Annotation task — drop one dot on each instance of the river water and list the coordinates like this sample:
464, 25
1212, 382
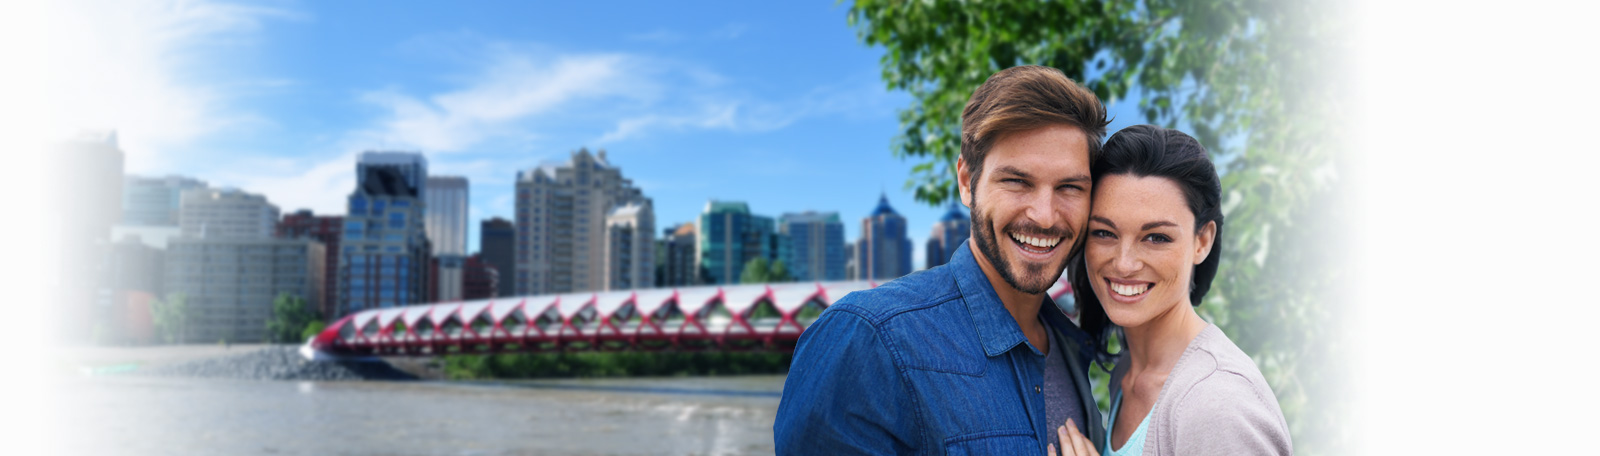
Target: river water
139, 415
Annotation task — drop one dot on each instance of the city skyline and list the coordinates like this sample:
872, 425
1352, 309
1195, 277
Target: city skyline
730, 101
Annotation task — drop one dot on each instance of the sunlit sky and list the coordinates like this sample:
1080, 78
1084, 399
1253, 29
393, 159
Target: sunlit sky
779, 105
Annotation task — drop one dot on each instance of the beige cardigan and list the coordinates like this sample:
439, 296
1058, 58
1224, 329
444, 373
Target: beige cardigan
1215, 402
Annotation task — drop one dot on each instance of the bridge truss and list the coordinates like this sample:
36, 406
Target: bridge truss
766, 317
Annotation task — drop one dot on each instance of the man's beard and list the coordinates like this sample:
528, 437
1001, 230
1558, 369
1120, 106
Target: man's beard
1033, 280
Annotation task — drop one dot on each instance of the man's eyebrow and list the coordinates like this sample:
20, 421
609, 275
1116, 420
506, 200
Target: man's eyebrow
1008, 169
1074, 179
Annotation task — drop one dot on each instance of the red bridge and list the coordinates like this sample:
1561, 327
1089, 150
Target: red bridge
735, 317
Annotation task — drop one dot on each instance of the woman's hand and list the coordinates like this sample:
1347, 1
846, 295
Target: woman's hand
1073, 443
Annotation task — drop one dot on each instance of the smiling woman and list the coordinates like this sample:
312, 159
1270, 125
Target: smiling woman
1153, 244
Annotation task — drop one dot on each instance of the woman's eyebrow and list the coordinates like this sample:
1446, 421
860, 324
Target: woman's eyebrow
1151, 225
1103, 220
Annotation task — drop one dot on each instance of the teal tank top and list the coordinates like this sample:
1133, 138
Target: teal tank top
1135, 443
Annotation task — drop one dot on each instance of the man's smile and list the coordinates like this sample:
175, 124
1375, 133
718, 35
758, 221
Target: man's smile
1036, 244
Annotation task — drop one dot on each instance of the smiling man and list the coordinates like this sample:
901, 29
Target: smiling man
969, 357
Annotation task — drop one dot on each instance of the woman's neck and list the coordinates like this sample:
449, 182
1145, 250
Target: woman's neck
1155, 346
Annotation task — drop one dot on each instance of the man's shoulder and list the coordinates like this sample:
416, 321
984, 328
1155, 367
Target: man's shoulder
900, 298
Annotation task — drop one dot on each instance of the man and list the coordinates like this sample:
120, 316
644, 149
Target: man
969, 357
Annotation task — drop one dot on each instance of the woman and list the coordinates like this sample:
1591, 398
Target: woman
1154, 239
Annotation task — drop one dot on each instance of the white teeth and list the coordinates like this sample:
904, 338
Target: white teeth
1036, 242
1129, 290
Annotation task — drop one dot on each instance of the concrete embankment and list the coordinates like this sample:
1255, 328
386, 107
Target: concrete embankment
254, 362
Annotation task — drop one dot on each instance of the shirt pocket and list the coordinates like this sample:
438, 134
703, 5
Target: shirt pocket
993, 442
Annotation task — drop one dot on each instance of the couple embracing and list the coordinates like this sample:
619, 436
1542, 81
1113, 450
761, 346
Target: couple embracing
972, 358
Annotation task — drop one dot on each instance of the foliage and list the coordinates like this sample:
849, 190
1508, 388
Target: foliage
170, 318
290, 316
1241, 76
312, 329
758, 270
613, 364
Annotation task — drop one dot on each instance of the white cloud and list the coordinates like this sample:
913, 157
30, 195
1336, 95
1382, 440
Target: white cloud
513, 87
711, 110
126, 65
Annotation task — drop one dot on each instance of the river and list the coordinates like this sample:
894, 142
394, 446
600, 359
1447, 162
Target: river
141, 415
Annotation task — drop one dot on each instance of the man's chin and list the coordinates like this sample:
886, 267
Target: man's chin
1032, 279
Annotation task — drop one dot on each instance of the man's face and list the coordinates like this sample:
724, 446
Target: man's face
1030, 204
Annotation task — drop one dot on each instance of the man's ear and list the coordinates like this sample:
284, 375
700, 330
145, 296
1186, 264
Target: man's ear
1206, 237
964, 182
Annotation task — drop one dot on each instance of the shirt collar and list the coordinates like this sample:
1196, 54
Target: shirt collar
996, 329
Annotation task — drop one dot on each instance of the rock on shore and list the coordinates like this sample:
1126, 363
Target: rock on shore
280, 363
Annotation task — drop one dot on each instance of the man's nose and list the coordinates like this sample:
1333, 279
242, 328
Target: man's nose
1041, 208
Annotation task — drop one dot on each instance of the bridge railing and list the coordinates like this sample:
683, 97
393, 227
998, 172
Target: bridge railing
733, 317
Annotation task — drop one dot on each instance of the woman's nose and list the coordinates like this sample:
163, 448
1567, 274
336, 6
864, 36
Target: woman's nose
1127, 261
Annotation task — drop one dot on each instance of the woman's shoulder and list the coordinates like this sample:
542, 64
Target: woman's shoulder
1213, 366
1217, 394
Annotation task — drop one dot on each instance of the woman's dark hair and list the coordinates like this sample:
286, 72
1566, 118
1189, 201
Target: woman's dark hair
1151, 151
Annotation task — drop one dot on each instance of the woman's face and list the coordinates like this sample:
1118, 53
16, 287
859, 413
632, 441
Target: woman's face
1142, 247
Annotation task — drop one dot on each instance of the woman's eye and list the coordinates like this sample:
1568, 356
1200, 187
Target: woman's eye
1100, 233
1158, 238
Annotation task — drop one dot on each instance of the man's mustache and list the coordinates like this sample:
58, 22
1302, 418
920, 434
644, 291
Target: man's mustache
1033, 229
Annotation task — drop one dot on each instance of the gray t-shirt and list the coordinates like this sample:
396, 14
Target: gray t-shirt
1060, 395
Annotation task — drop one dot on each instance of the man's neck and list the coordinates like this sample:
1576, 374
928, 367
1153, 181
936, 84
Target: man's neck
1024, 307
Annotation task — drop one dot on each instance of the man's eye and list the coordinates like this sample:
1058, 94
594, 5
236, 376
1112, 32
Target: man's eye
1158, 238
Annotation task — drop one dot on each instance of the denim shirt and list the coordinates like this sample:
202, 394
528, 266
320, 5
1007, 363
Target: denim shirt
930, 363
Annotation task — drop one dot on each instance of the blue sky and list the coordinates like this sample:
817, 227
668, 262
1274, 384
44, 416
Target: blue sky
777, 104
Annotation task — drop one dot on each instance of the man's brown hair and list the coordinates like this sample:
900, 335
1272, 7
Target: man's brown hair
1024, 98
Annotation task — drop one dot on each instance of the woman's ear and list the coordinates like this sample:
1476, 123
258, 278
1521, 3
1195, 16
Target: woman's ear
1204, 238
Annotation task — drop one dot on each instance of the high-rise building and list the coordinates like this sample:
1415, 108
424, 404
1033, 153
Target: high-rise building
226, 214
383, 259
446, 276
155, 201
949, 232
884, 252
478, 280
675, 253
329, 230
561, 223
630, 246
497, 244
229, 284
728, 236
850, 268
411, 166
818, 242
136, 267
447, 214
86, 178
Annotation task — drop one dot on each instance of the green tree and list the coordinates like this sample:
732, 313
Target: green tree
755, 271
758, 270
290, 316
778, 272
312, 329
1241, 76
171, 318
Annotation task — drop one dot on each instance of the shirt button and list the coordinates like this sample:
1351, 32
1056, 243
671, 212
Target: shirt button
1036, 389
